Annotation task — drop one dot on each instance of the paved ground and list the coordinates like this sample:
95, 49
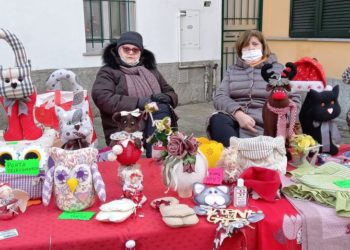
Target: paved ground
193, 119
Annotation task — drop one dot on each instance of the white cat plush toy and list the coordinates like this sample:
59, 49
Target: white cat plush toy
75, 125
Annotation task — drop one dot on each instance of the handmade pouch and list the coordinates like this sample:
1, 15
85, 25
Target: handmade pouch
22, 150
261, 151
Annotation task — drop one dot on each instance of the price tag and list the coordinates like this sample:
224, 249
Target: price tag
85, 215
27, 167
8, 234
215, 176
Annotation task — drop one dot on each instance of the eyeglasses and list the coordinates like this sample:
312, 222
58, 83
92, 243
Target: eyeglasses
127, 50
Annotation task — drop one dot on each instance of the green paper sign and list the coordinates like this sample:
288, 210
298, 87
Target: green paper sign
27, 167
343, 183
11, 143
86, 215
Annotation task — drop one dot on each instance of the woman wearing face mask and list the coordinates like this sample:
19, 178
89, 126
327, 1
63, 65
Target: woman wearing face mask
242, 93
129, 80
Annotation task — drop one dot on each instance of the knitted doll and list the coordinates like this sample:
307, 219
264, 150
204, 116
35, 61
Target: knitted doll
17, 94
278, 105
317, 116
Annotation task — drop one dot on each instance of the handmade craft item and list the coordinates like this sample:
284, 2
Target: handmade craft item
261, 151
17, 94
12, 201
278, 107
132, 188
174, 214
230, 222
127, 143
25, 150
211, 150
262, 183
310, 75
317, 116
302, 145
75, 126
116, 211
231, 168
54, 96
210, 197
183, 164
346, 80
74, 179
54, 82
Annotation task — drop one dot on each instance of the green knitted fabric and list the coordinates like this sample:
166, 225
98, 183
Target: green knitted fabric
318, 184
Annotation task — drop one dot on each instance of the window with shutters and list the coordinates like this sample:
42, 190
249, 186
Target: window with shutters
105, 20
320, 19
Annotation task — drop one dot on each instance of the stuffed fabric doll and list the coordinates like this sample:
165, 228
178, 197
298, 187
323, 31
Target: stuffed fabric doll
54, 81
317, 116
126, 144
278, 105
76, 129
74, 179
17, 94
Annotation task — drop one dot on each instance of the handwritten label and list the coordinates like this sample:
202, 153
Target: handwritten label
85, 215
215, 176
8, 234
11, 143
27, 167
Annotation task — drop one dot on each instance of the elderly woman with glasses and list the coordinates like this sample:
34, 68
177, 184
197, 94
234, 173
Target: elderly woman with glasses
129, 80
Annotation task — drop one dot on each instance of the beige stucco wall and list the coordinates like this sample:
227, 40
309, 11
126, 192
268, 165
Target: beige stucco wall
333, 54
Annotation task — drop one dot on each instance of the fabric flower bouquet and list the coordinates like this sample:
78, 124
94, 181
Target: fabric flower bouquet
302, 145
183, 163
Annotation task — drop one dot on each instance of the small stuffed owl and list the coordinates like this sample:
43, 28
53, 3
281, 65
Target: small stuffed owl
74, 179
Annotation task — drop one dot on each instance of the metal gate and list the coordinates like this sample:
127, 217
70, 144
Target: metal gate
237, 16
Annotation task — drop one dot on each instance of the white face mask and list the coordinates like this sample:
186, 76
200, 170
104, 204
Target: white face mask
251, 55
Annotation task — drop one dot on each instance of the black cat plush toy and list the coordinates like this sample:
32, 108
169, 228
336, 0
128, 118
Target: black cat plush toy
317, 116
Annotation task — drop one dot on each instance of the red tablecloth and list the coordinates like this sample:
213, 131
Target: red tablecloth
39, 227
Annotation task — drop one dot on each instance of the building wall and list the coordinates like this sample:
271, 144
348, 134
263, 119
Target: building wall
53, 33
333, 54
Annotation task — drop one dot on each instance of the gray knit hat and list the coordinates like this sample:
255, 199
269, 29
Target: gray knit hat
130, 37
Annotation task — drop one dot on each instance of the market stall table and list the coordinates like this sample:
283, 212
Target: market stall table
40, 228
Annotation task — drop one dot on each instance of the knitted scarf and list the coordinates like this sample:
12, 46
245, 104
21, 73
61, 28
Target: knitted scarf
140, 81
282, 118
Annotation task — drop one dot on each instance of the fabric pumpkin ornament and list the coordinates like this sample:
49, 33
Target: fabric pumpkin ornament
211, 149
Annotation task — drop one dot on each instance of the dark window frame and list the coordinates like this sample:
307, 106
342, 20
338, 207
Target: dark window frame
329, 19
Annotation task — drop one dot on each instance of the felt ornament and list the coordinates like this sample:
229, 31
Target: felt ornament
75, 126
17, 94
278, 107
212, 151
310, 75
74, 179
126, 144
317, 116
265, 183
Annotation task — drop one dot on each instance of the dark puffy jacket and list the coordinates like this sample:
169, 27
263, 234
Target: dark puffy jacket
110, 92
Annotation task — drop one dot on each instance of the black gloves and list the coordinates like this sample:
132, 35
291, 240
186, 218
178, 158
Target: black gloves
141, 102
162, 98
